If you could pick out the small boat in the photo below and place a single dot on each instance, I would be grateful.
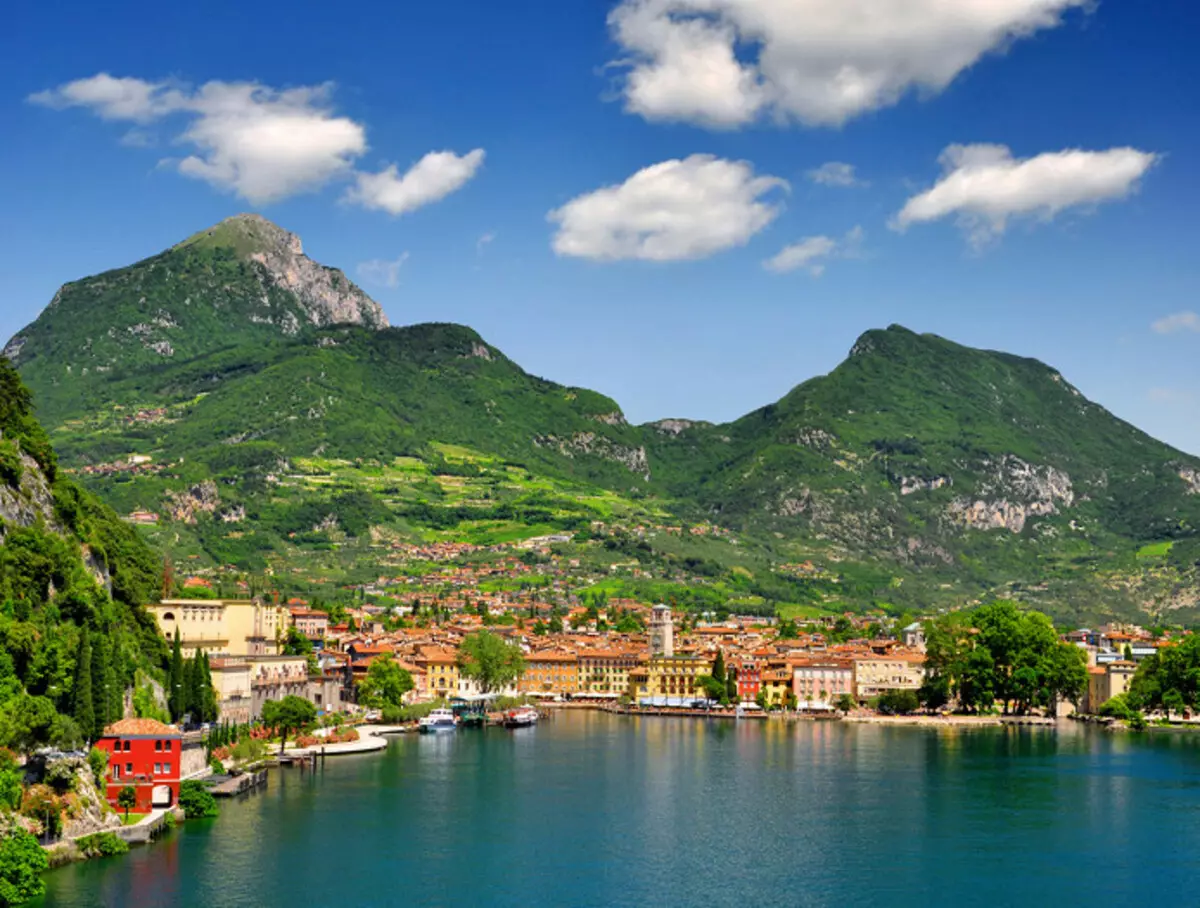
(472, 720)
(437, 721)
(522, 717)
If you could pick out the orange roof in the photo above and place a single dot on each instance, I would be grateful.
(126, 728)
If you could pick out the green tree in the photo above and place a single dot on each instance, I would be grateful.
(787, 629)
(26, 723)
(209, 705)
(22, 863)
(176, 693)
(290, 714)
(385, 685)
(296, 644)
(846, 703)
(196, 800)
(103, 685)
(718, 669)
(488, 659)
(82, 708)
(98, 763)
(127, 800)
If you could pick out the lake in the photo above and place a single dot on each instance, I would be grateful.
(594, 809)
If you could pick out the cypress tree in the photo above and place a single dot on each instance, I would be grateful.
(718, 669)
(116, 686)
(101, 671)
(83, 709)
(176, 694)
(189, 687)
(210, 692)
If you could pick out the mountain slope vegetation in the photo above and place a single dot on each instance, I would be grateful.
(918, 472)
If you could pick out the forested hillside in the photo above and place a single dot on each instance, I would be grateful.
(73, 579)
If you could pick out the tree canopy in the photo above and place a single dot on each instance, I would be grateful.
(999, 653)
(486, 658)
(385, 685)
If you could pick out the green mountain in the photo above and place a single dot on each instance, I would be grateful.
(259, 404)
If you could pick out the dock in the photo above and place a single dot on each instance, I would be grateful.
(232, 786)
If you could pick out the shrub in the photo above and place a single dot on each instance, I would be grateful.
(42, 804)
(215, 764)
(248, 750)
(98, 761)
(22, 861)
(11, 468)
(101, 844)
(60, 775)
(898, 702)
(196, 800)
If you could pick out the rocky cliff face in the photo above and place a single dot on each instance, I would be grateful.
(327, 296)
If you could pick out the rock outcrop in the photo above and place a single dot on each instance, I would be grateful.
(589, 443)
(326, 294)
(202, 498)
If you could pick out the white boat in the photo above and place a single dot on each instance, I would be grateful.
(521, 717)
(439, 720)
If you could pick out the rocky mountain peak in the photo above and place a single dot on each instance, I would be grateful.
(327, 296)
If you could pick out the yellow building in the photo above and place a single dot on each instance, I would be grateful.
(605, 672)
(897, 671)
(777, 687)
(441, 671)
(235, 627)
(550, 672)
(667, 676)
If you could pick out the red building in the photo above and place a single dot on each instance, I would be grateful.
(749, 677)
(146, 754)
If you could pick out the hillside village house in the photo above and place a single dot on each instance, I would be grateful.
(144, 754)
(749, 676)
(312, 623)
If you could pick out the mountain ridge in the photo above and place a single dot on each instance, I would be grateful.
(941, 463)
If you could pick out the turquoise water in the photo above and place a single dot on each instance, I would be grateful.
(592, 809)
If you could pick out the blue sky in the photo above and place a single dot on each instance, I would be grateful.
(1023, 177)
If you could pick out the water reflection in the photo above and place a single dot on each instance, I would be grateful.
(591, 809)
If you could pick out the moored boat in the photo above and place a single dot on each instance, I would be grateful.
(521, 717)
(439, 720)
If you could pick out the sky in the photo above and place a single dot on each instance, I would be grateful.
(689, 205)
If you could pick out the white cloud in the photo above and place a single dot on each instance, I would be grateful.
(432, 178)
(262, 143)
(812, 253)
(835, 173)
(725, 63)
(984, 186)
(674, 210)
(113, 98)
(382, 271)
(259, 142)
(1180, 321)
(484, 241)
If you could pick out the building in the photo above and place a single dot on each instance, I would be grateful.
(234, 627)
(896, 671)
(749, 677)
(550, 673)
(310, 622)
(276, 677)
(604, 673)
(668, 680)
(144, 754)
(819, 682)
(231, 680)
(1106, 682)
(662, 632)
(777, 686)
(441, 671)
(914, 636)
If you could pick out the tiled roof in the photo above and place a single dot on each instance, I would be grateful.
(148, 727)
